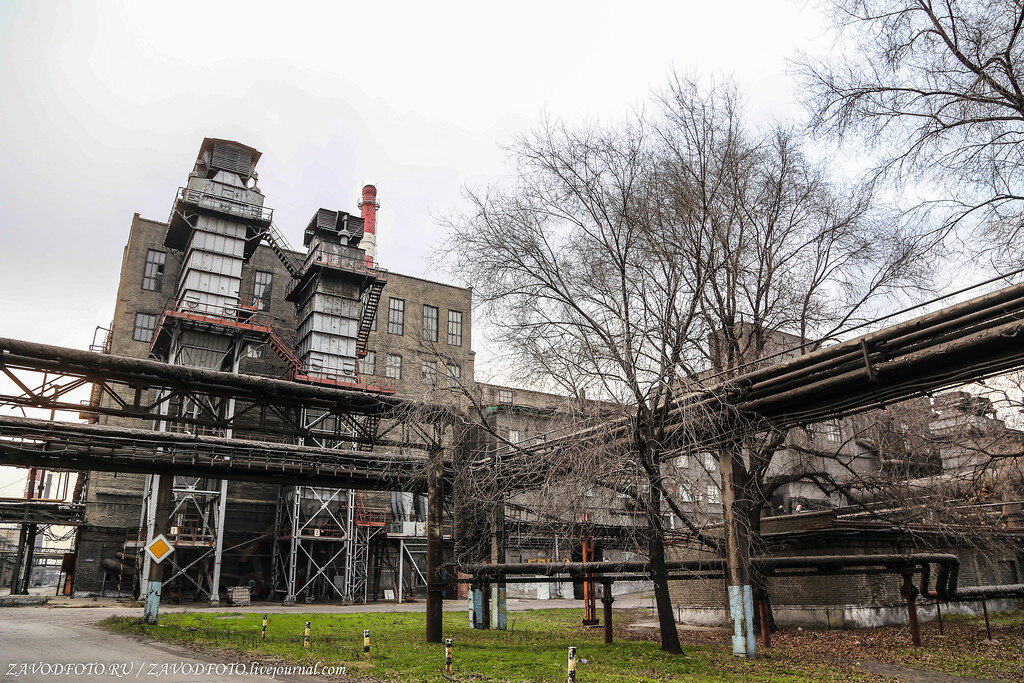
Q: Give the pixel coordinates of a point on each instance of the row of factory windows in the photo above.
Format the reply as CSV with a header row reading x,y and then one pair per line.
x,y
153,280
429,369
431,322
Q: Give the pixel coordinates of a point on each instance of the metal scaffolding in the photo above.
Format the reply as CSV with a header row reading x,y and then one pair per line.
x,y
324,544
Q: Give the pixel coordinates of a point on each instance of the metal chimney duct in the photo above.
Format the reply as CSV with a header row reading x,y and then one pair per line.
x,y
369,205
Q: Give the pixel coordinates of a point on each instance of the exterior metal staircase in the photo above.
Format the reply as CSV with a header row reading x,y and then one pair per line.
x,y
286,354
370,424
282,249
369,315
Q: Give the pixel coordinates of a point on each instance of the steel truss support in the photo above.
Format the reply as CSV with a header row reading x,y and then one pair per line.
x,y
131,387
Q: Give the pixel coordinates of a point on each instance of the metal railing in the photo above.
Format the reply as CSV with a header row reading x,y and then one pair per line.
x,y
101,339
241,313
320,256
254,212
242,316
344,378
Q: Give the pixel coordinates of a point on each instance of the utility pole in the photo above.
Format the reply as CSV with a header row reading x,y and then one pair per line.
x,y
164,485
737,556
435,541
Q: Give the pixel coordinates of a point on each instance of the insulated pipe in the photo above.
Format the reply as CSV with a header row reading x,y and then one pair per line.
x,y
19,353
822,562
945,319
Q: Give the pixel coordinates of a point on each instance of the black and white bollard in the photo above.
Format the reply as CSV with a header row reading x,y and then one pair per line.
x,y
264,627
366,643
305,638
448,656
572,665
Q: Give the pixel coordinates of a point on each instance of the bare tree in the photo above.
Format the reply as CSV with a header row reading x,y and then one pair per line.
x,y
631,263
936,90
591,280
794,256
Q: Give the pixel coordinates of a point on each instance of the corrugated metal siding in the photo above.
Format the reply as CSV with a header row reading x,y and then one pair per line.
x,y
207,301
327,344
335,305
222,244
330,324
219,264
201,281
220,226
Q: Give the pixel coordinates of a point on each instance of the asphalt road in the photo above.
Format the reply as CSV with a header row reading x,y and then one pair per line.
x,y
55,644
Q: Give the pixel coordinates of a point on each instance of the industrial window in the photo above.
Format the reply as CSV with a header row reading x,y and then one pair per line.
x,y
454,374
428,372
709,461
368,365
505,396
153,277
430,323
455,328
393,366
714,493
832,429
513,436
145,324
396,316
261,289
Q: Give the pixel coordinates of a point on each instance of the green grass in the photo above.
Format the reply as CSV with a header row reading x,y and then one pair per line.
x,y
534,648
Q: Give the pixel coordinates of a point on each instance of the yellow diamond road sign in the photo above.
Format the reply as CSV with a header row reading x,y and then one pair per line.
x,y
159,549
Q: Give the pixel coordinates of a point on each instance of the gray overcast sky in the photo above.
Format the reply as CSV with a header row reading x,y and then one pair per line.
x,y
104,106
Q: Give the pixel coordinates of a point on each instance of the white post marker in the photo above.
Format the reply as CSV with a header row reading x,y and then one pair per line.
x,y
159,549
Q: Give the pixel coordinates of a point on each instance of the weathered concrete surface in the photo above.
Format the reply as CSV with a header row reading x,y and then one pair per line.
x,y
839,616
22,600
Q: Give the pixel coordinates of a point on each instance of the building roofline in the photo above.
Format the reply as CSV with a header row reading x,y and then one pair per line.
x,y
302,255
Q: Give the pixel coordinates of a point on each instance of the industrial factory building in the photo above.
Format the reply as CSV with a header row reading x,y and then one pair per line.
x,y
217,287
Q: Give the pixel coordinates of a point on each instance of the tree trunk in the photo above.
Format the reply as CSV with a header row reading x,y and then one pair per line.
x,y
758,579
659,572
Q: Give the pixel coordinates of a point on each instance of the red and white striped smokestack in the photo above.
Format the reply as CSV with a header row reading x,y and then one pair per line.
x,y
369,205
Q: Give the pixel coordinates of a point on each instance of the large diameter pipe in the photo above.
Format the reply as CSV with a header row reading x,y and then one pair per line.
x,y
823,562
914,329
19,353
